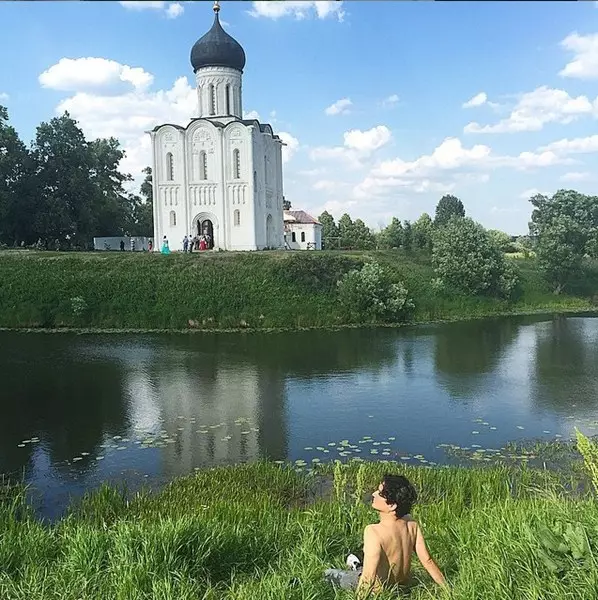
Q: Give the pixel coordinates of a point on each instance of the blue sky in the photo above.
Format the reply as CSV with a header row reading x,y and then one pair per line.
x,y
371,97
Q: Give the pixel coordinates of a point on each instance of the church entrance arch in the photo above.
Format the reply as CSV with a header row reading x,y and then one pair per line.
x,y
205,224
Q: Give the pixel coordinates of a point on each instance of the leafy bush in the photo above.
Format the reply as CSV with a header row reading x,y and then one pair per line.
x,y
369,293
589,450
466,258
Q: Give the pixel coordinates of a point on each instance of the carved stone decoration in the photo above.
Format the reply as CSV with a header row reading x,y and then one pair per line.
x,y
169,137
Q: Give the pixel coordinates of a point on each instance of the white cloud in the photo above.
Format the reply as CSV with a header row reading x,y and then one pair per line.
x,y
328,185
299,9
174,10
4,97
585,145
477,100
391,101
171,9
575,176
448,164
367,141
358,145
129,115
535,109
79,74
251,114
585,60
292,145
340,107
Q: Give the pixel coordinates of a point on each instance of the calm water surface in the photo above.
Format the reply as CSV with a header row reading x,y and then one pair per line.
x,y
76,410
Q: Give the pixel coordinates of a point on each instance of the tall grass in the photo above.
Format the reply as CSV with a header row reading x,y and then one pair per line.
x,y
264,532
229,290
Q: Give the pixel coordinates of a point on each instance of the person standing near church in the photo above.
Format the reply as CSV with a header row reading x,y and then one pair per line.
x,y
185,244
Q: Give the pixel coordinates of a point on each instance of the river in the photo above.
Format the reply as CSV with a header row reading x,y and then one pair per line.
x,y
77,410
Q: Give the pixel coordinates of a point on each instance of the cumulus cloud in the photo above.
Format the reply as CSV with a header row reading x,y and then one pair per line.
x,y
575,176
537,108
358,145
477,100
527,194
4,97
340,107
291,145
299,9
171,9
585,56
79,74
448,164
582,145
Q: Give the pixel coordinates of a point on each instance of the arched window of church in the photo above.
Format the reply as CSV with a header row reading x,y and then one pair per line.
x,y
294,236
172,218
236,164
212,99
203,165
228,111
303,236
169,167
237,218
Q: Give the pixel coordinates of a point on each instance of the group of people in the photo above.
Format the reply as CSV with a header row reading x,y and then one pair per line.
x,y
197,242
388,545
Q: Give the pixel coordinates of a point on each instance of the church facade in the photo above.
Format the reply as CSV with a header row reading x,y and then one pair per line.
x,y
221,175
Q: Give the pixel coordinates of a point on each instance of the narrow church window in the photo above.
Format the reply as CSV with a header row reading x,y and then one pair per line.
x,y
294,236
228,112
236,164
212,100
169,167
172,218
203,165
265,168
237,218
303,236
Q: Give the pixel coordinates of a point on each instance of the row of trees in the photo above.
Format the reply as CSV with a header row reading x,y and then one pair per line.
x,y
470,258
64,190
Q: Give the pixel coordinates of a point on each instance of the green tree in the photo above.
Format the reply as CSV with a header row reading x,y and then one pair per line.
x,y
448,207
565,227
330,231
466,258
363,237
407,235
501,239
345,230
423,230
16,189
370,294
143,208
392,235
286,204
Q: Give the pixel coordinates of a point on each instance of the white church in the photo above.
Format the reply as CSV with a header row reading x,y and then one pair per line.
x,y
221,175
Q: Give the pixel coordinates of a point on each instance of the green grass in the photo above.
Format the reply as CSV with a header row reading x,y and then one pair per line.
x,y
259,532
233,290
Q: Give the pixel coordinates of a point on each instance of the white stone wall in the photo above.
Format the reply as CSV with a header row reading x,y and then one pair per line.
x,y
225,82
311,231
238,195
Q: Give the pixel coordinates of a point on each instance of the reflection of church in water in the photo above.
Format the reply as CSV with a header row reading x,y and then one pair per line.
x,y
215,413
221,175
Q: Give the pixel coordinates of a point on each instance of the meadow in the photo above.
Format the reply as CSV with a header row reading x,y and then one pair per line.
x,y
224,291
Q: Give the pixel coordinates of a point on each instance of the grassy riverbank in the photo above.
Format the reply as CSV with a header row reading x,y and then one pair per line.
x,y
233,290
259,532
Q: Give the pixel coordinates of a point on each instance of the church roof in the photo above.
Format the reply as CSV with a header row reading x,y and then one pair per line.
x,y
300,216
264,127
217,49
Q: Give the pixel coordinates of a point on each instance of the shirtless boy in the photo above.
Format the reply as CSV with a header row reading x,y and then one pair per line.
x,y
389,544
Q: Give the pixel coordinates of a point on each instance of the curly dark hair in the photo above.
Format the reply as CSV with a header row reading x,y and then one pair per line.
x,y
397,489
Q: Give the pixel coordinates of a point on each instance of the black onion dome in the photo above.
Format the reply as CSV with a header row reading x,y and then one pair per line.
x,y
217,49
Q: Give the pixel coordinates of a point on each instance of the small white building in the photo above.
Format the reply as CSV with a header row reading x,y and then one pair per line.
x,y
302,231
220,175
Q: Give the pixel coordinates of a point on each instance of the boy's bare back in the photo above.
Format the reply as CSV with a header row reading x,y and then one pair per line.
x,y
388,547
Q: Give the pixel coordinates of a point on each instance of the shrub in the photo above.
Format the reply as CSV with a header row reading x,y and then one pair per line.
x,y
369,293
466,258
